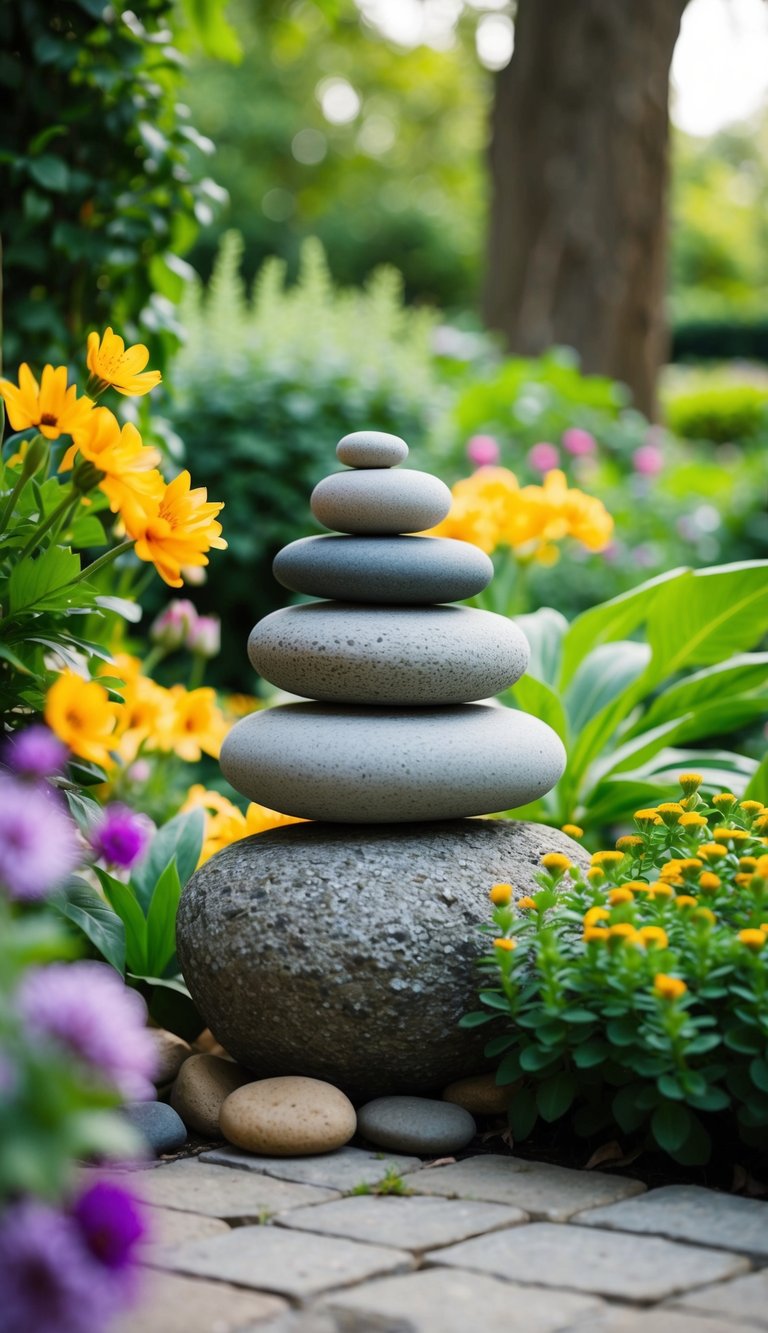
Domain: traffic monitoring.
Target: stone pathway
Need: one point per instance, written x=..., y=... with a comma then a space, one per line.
x=265, y=1245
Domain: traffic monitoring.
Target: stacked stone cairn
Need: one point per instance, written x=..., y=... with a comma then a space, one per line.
x=395, y=735
x=343, y=949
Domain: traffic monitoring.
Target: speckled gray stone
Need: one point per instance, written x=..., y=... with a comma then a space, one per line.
x=158, y=1124
x=379, y=765
x=419, y=571
x=380, y=500
x=406, y=655
x=346, y=953
x=415, y=1124
x=371, y=448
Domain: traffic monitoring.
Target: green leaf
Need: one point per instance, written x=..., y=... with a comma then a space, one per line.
x=533, y=696
x=40, y=581
x=493, y=999
x=475, y=1020
x=591, y=1053
x=757, y=787
x=555, y=1095
x=611, y=620
x=714, y=684
x=600, y=697
x=161, y=920
x=534, y=1058
x=544, y=629
x=670, y=1124
x=707, y=616
x=758, y=1070
x=50, y=172
x=181, y=838
x=628, y=1112
x=509, y=1070
x=86, y=908
x=522, y=1114
x=211, y=29
x=121, y=897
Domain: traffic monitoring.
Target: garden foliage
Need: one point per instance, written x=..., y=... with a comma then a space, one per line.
x=633, y=998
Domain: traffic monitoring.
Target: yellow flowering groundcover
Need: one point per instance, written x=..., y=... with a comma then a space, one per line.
x=634, y=997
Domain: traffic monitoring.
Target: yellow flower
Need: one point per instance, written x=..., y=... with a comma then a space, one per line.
x=753, y=939
x=50, y=406
x=654, y=935
x=704, y=914
x=690, y=782
x=670, y=812
x=194, y=724
x=692, y=820
x=629, y=843
x=505, y=944
x=622, y=930
x=621, y=895
x=668, y=988
x=592, y=933
x=761, y=823
x=762, y=867
x=131, y=479
x=526, y=903
x=731, y=835
x=595, y=875
x=225, y=823
x=742, y=880
x=146, y=711
x=573, y=830
x=751, y=807
x=661, y=889
x=691, y=863
x=712, y=851
x=708, y=882
x=602, y=859
x=501, y=894
x=556, y=862
x=595, y=914
x=685, y=900
x=177, y=530
x=113, y=364
x=724, y=800
x=82, y=715
x=748, y=862
x=648, y=816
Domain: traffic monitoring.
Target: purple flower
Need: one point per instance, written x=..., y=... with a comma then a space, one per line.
x=648, y=460
x=483, y=451
x=205, y=636
x=121, y=837
x=49, y=1280
x=111, y=1222
x=544, y=457
x=580, y=443
x=86, y=1009
x=35, y=753
x=171, y=627
x=38, y=842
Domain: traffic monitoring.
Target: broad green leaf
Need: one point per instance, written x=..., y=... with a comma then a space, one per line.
x=161, y=920
x=671, y=1124
x=522, y=1114
x=738, y=675
x=602, y=676
x=211, y=29
x=533, y=696
x=40, y=581
x=544, y=629
x=182, y=838
x=757, y=787
x=707, y=616
x=49, y=171
x=82, y=905
x=120, y=606
x=121, y=897
x=86, y=812
x=611, y=620
x=554, y=1095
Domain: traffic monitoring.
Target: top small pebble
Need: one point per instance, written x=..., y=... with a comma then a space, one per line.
x=371, y=448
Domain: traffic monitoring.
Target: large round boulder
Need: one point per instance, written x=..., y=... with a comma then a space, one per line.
x=346, y=952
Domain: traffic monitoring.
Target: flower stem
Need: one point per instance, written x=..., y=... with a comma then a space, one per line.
x=47, y=524
x=103, y=560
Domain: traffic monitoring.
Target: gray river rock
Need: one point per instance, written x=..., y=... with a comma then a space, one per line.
x=407, y=656
x=380, y=500
x=371, y=448
x=387, y=570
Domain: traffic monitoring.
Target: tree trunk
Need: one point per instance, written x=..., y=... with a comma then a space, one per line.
x=579, y=167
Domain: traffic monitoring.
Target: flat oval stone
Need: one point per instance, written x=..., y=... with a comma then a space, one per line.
x=408, y=656
x=202, y=1086
x=480, y=1095
x=387, y=570
x=288, y=1117
x=399, y=765
x=415, y=1125
x=161, y=1128
x=379, y=500
x=371, y=448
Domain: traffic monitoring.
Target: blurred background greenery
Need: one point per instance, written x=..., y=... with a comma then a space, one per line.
x=225, y=182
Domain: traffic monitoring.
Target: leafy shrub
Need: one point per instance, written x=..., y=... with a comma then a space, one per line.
x=627, y=708
x=720, y=340
x=635, y=998
x=265, y=388
x=719, y=412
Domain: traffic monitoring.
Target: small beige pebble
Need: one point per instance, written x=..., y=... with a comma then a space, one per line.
x=171, y=1053
x=479, y=1095
x=288, y=1117
x=206, y=1044
x=202, y=1086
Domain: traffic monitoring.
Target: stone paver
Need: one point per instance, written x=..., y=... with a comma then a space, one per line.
x=625, y=1319
x=417, y=1224
x=341, y=1170
x=553, y=1193
x=291, y=1263
x=448, y=1301
x=743, y=1301
x=688, y=1212
x=171, y=1304
x=194, y=1187
x=169, y=1226
x=605, y=1263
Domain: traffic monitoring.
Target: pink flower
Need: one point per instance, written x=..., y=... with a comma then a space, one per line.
x=483, y=451
x=121, y=837
x=578, y=442
x=38, y=842
x=544, y=457
x=171, y=627
x=648, y=460
x=204, y=638
x=35, y=753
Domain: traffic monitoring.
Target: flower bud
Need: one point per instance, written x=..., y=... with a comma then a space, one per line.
x=173, y=627
x=204, y=637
